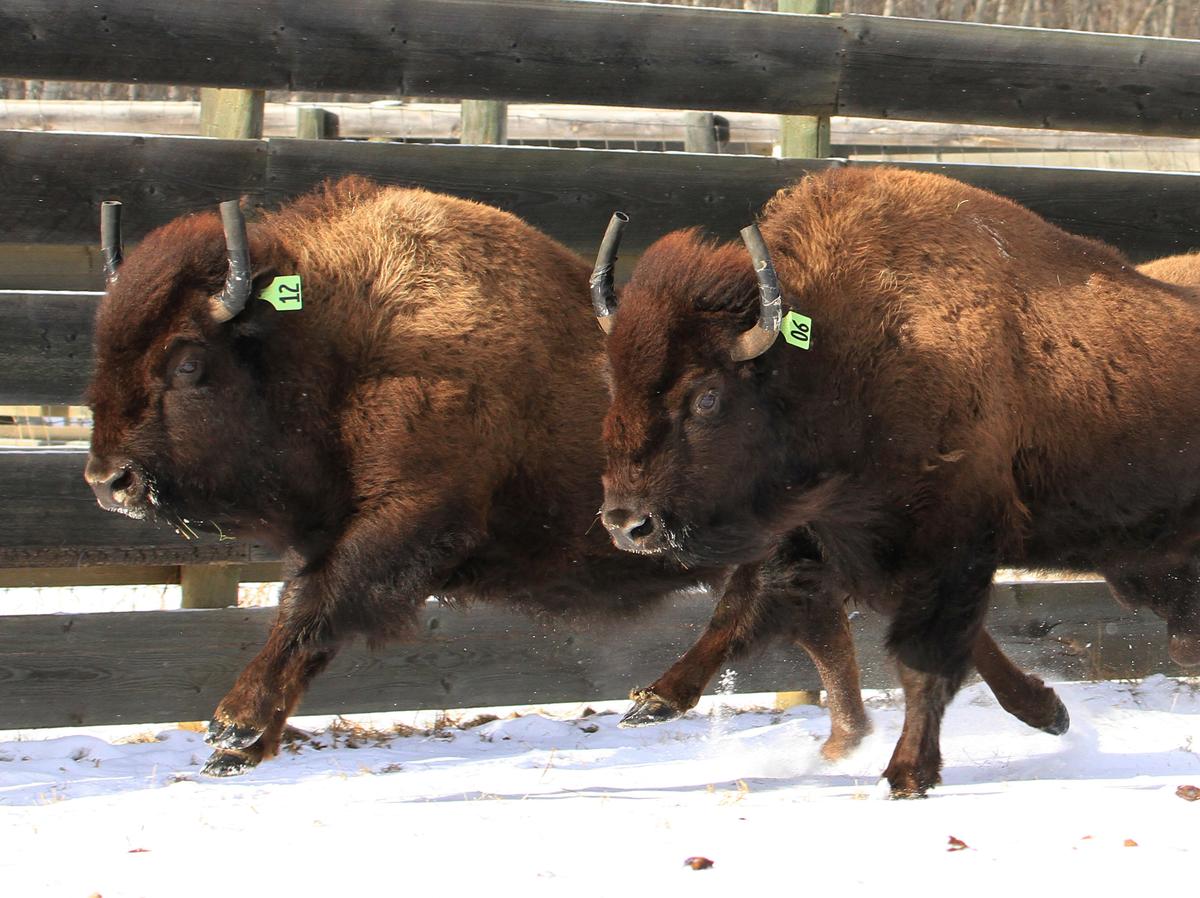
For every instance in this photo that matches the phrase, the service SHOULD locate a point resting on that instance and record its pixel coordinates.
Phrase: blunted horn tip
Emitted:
(604, 295)
(111, 253)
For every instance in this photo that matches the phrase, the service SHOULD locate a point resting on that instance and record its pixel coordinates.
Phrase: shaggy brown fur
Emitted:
(428, 423)
(982, 387)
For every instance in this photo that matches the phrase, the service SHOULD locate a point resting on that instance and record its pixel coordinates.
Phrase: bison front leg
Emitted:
(248, 724)
(734, 620)
(932, 638)
(390, 557)
(746, 614)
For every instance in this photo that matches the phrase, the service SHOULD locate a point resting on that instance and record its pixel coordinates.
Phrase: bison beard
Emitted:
(981, 388)
(427, 423)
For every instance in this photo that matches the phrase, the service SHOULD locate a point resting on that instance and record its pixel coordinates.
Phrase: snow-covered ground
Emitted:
(568, 804)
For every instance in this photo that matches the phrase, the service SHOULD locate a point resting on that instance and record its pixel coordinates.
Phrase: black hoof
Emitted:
(648, 709)
(228, 763)
(1061, 722)
(908, 794)
(231, 735)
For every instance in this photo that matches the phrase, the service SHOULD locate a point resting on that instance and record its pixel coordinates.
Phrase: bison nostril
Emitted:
(122, 482)
(642, 529)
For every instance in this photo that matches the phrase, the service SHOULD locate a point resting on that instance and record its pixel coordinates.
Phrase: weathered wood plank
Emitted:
(74, 670)
(606, 53)
(620, 54)
(49, 517)
(1034, 78)
(45, 346)
(567, 193)
(53, 191)
(116, 575)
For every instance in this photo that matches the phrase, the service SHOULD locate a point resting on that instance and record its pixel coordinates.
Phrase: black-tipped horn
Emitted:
(604, 296)
(232, 298)
(110, 238)
(759, 338)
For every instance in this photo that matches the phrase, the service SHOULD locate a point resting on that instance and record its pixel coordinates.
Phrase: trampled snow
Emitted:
(568, 804)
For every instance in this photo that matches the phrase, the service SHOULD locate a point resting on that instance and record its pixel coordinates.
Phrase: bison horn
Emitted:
(604, 297)
(759, 338)
(110, 239)
(232, 298)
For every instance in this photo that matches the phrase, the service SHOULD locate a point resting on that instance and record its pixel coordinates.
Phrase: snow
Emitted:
(565, 803)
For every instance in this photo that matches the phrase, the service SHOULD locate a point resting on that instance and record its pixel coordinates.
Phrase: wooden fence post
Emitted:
(701, 133)
(315, 123)
(209, 585)
(231, 113)
(804, 136)
(484, 122)
(236, 114)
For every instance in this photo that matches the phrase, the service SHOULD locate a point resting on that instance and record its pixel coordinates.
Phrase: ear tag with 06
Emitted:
(797, 329)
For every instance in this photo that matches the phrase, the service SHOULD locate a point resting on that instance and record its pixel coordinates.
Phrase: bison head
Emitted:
(690, 436)
(184, 426)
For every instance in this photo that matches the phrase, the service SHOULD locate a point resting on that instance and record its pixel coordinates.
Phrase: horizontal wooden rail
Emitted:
(620, 54)
(84, 669)
(49, 518)
(53, 184)
(45, 346)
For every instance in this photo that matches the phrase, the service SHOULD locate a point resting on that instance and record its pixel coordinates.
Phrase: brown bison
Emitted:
(424, 418)
(961, 385)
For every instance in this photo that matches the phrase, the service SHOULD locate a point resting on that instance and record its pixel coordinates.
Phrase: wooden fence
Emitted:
(75, 669)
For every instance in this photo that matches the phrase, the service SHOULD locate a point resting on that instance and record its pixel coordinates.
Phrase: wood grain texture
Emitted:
(49, 517)
(567, 193)
(58, 187)
(606, 53)
(620, 54)
(76, 670)
(45, 346)
(1033, 78)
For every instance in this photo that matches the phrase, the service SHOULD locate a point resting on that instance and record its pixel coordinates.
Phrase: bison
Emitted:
(961, 385)
(419, 414)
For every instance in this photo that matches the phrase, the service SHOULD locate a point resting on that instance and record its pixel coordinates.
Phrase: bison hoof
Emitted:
(910, 782)
(648, 709)
(228, 763)
(231, 735)
(1061, 722)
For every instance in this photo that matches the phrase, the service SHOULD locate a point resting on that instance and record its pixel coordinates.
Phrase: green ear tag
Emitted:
(284, 293)
(797, 329)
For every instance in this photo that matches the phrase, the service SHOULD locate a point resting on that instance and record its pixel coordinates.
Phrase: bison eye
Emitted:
(187, 372)
(706, 403)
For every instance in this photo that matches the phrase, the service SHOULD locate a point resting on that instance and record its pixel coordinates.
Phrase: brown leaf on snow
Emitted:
(1188, 793)
(957, 844)
(1129, 843)
(698, 863)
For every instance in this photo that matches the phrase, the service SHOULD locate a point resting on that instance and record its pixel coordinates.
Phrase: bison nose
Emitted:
(633, 531)
(117, 484)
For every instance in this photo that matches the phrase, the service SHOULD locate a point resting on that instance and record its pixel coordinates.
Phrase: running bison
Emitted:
(960, 385)
(423, 419)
